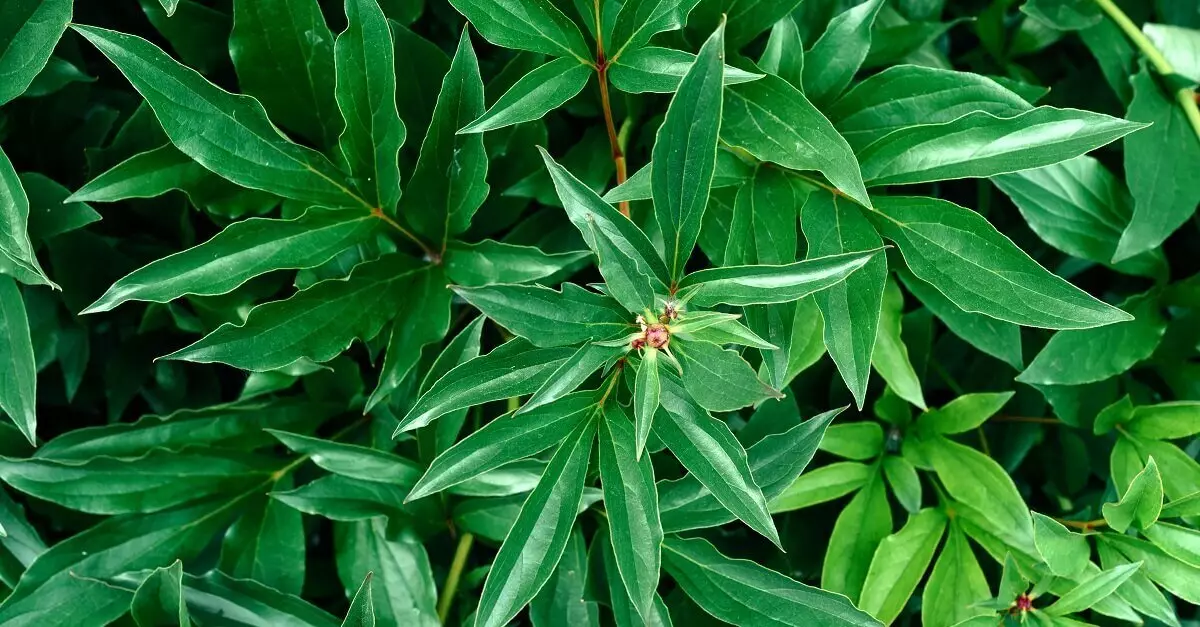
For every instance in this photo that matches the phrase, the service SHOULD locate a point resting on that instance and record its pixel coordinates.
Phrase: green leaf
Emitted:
(624, 613)
(902, 477)
(978, 481)
(515, 368)
(685, 154)
(997, 338)
(1065, 552)
(572, 373)
(749, 594)
(537, 93)
(16, 248)
(622, 279)
(857, 532)
(963, 413)
(562, 600)
(891, 359)
(1139, 591)
(352, 460)
(784, 53)
(982, 271)
(549, 318)
(18, 384)
(851, 308)
(1063, 14)
(854, 440)
(900, 563)
(283, 53)
(640, 20)
(400, 569)
(362, 611)
(535, 544)
(490, 262)
(1179, 45)
(215, 597)
(774, 121)
(1092, 590)
(1177, 577)
(832, 61)
(280, 333)
(449, 183)
(646, 391)
(57, 75)
(239, 253)
(341, 498)
(1164, 189)
(1141, 504)
(267, 544)
(708, 450)
(955, 585)
(981, 144)
(765, 284)
(226, 133)
(632, 506)
(159, 600)
(50, 213)
(31, 30)
(534, 25)
(1181, 543)
(719, 379)
(1165, 421)
(660, 70)
(506, 439)
(1115, 55)
(731, 171)
(421, 319)
(1080, 208)
(909, 95)
(823, 484)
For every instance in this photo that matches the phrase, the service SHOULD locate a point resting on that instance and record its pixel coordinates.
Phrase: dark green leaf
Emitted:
(639, 20)
(490, 262)
(622, 278)
(159, 600)
(421, 319)
(562, 600)
(837, 55)
(764, 284)
(997, 338)
(362, 610)
(549, 318)
(660, 70)
(31, 30)
(16, 248)
(267, 544)
(399, 568)
(719, 379)
(536, 94)
(535, 25)
(18, 384)
(351, 460)
(572, 373)
(646, 393)
(342, 498)
(784, 53)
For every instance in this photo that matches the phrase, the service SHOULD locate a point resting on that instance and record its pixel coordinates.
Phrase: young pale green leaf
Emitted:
(955, 586)
(980, 144)
(1065, 552)
(719, 379)
(731, 171)
(706, 447)
(572, 373)
(562, 601)
(1092, 590)
(854, 440)
(640, 20)
(31, 31)
(421, 318)
(534, 95)
(851, 308)
(159, 599)
(773, 121)
(765, 284)
(832, 61)
(1165, 191)
(1182, 543)
(900, 563)
(784, 54)
(646, 392)
(821, 485)
(18, 383)
(1090, 355)
(997, 338)
(902, 477)
(1177, 577)
(632, 506)
(549, 318)
(535, 544)
(362, 610)
(352, 460)
(1139, 591)
(283, 53)
(857, 532)
(226, 133)
(963, 413)
(1141, 504)
(1186, 506)
(504, 440)
(280, 333)
(752, 595)
(240, 252)
(513, 369)
(16, 248)
(1165, 421)
(490, 262)
(267, 543)
(534, 25)
(891, 358)
(622, 279)
(660, 70)
(685, 154)
(978, 481)
(982, 271)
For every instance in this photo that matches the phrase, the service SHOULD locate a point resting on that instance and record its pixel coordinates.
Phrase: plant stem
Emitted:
(378, 213)
(1084, 525)
(1185, 96)
(456, 568)
(1044, 421)
(614, 140)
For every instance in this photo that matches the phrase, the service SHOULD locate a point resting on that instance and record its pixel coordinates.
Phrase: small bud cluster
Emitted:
(656, 334)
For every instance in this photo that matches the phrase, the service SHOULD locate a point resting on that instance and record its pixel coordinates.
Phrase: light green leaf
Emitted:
(1165, 421)
(1177, 577)
(1092, 590)
(859, 529)
(16, 248)
(1139, 591)
(660, 70)
(341, 498)
(1182, 543)
(719, 379)
(955, 586)
(982, 271)
(891, 355)
(765, 284)
(997, 338)
(362, 611)
(823, 484)
(549, 318)
(963, 413)
(1065, 552)
(1141, 504)
(978, 481)
(159, 599)
(18, 383)
(731, 171)
(900, 563)
(31, 30)
(646, 392)
(1180, 46)
(534, 25)
(773, 121)
(981, 144)
(903, 479)
(622, 279)
(855, 440)
(832, 61)
(490, 262)
(537, 93)
(1063, 14)
(400, 569)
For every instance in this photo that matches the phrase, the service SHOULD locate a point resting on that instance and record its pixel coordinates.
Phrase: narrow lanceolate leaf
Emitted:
(639, 20)
(731, 171)
(719, 379)
(1165, 191)
(859, 529)
(18, 376)
(891, 355)
(772, 120)
(955, 586)
(565, 599)
(159, 600)
(420, 319)
(706, 447)
(745, 593)
(981, 144)
(490, 262)
(622, 279)
(978, 481)
(449, 183)
(763, 284)
(624, 612)
(226, 133)
(403, 589)
(546, 317)
(352, 460)
(997, 338)
(534, 25)
(362, 610)
(572, 374)
(632, 506)
(831, 63)
(15, 246)
(900, 563)
(646, 392)
(31, 30)
(963, 413)
(982, 271)
(283, 53)
(1092, 590)
(783, 55)
(660, 70)
(539, 536)
(515, 368)
(534, 95)
(506, 439)
(316, 324)
(1142, 502)
(585, 208)
(685, 154)
(267, 543)
(366, 96)
(850, 308)
(241, 252)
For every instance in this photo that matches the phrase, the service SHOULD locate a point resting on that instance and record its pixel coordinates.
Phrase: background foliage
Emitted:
(389, 311)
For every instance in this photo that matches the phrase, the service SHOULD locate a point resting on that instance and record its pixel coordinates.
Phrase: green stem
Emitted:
(456, 568)
(1185, 96)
